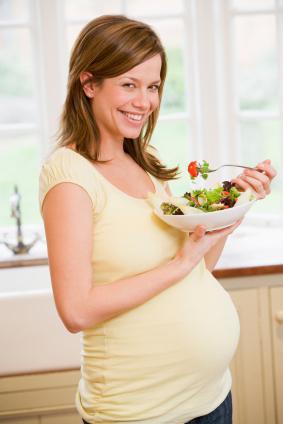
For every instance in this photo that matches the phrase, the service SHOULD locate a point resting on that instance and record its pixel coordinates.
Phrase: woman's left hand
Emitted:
(259, 182)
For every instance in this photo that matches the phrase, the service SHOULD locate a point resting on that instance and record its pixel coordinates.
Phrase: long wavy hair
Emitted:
(109, 46)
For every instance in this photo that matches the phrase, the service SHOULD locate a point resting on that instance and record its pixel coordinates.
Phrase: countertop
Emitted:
(248, 251)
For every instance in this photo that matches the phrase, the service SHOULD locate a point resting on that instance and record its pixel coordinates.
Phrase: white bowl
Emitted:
(211, 220)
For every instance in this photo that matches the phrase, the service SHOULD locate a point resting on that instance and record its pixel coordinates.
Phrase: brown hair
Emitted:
(109, 46)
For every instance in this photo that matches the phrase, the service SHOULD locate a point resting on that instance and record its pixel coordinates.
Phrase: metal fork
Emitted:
(237, 166)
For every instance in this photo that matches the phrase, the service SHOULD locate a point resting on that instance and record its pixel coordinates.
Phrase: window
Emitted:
(223, 98)
(19, 118)
(256, 60)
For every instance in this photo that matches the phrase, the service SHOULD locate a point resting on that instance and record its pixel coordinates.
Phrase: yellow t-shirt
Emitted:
(165, 361)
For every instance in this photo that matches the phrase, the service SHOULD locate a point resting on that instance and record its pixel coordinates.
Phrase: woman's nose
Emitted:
(141, 99)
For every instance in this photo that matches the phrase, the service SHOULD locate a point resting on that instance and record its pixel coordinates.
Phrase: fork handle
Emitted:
(240, 166)
(237, 166)
(248, 167)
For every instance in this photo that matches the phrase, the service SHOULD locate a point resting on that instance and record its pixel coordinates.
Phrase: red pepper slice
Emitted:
(194, 200)
(193, 169)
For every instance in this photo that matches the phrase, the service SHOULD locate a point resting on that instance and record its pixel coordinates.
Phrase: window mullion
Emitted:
(17, 129)
(192, 83)
(50, 64)
(207, 80)
(14, 24)
(259, 115)
(253, 12)
(229, 148)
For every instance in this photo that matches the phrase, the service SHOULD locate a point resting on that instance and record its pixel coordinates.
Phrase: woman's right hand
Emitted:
(198, 243)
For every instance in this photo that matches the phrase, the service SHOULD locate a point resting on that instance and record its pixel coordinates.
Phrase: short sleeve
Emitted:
(65, 165)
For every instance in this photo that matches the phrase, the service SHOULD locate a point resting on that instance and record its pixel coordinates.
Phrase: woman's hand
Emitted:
(259, 182)
(199, 243)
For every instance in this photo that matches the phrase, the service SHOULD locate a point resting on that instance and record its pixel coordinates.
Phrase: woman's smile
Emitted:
(133, 117)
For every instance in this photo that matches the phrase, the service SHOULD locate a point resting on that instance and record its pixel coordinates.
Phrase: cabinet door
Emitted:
(277, 333)
(252, 385)
(67, 418)
(27, 420)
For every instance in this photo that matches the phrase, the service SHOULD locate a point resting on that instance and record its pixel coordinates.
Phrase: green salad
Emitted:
(224, 196)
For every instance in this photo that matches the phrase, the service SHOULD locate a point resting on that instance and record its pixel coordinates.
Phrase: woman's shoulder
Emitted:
(62, 155)
(63, 164)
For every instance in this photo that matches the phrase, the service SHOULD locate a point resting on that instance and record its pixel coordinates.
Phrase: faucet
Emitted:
(19, 247)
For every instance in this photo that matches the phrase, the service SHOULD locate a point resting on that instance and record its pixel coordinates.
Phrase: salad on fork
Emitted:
(223, 196)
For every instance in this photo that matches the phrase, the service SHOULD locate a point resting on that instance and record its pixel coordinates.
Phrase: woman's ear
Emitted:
(88, 85)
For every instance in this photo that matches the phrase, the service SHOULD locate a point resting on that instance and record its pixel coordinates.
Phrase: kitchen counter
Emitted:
(252, 251)
(249, 251)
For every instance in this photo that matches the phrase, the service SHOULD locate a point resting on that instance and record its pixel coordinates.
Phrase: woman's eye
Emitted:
(128, 85)
(154, 87)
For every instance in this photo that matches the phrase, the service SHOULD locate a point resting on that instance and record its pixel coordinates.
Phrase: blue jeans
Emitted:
(221, 415)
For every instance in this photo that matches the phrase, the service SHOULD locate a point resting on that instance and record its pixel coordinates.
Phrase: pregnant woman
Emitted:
(158, 330)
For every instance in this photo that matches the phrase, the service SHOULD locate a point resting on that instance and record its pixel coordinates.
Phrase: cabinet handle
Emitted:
(279, 317)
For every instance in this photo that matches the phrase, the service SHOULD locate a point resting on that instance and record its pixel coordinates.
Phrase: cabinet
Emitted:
(44, 398)
(67, 418)
(276, 295)
(252, 390)
(257, 368)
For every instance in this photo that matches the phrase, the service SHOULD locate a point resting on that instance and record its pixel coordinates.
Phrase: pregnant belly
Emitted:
(189, 332)
(211, 328)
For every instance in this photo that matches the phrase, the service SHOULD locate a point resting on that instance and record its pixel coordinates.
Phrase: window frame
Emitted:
(210, 87)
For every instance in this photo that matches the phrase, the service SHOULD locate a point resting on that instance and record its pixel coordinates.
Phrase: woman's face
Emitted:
(122, 104)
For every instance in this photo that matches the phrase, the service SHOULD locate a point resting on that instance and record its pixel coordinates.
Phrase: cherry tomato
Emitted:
(226, 193)
(193, 168)
(194, 200)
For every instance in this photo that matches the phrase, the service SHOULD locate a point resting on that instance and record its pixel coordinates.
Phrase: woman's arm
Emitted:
(212, 257)
(67, 214)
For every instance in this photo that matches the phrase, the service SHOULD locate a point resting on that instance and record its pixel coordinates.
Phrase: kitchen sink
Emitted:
(33, 338)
